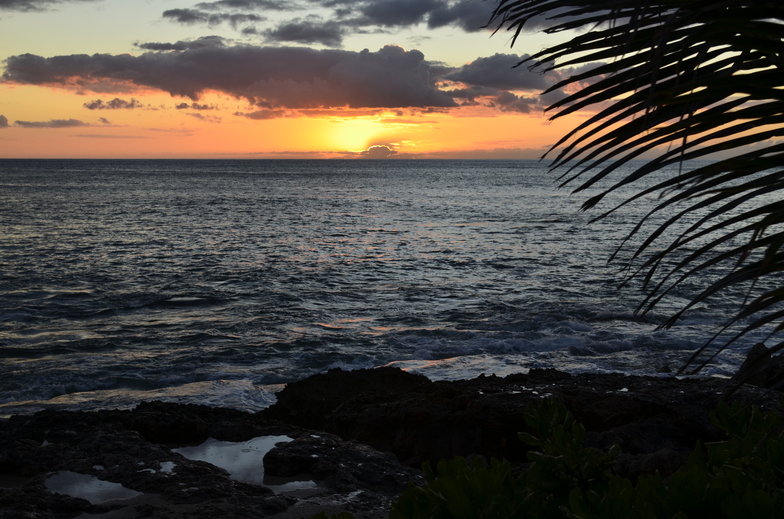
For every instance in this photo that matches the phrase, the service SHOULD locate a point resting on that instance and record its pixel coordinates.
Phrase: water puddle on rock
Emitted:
(244, 461)
(92, 489)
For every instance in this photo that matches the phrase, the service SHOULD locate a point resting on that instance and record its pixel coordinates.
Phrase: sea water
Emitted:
(217, 282)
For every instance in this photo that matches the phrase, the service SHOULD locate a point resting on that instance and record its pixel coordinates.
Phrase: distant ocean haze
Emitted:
(217, 281)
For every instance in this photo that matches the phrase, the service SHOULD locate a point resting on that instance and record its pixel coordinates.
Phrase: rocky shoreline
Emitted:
(360, 435)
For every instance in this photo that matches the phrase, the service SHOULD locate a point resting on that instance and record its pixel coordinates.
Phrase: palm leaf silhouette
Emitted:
(679, 79)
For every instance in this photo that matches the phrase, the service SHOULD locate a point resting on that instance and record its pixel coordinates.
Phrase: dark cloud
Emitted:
(498, 72)
(551, 18)
(329, 33)
(469, 16)
(206, 118)
(492, 81)
(472, 92)
(3, 121)
(269, 77)
(195, 106)
(114, 104)
(391, 121)
(340, 112)
(194, 16)
(54, 123)
(199, 43)
(509, 102)
(378, 152)
(187, 16)
(95, 136)
(261, 115)
(566, 73)
(104, 120)
(354, 15)
(31, 5)
(489, 81)
(383, 13)
(391, 13)
(246, 5)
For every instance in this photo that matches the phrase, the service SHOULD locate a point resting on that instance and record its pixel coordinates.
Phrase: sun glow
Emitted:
(351, 134)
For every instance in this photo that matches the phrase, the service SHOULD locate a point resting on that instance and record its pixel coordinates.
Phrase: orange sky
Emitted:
(266, 78)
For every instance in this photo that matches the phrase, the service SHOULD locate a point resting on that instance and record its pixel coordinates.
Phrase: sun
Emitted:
(353, 134)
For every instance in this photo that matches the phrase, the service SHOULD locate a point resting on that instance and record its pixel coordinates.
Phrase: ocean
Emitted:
(217, 282)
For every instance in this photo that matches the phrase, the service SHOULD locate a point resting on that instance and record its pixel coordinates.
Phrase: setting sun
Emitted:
(219, 80)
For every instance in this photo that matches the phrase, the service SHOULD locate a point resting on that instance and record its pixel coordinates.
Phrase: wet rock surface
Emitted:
(360, 435)
(134, 449)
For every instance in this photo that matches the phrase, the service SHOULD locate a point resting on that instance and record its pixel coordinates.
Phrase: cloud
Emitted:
(395, 121)
(509, 102)
(498, 71)
(199, 43)
(328, 33)
(472, 92)
(206, 118)
(30, 5)
(261, 115)
(246, 5)
(493, 154)
(100, 136)
(195, 106)
(492, 82)
(3, 121)
(54, 123)
(469, 16)
(269, 77)
(114, 104)
(378, 152)
(194, 16)
(392, 13)
(104, 120)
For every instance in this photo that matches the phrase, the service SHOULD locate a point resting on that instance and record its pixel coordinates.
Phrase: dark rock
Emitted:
(761, 368)
(418, 420)
(116, 446)
(349, 430)
(343, 466)
(309, 402)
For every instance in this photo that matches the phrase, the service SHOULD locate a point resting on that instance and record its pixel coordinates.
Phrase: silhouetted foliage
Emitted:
(679, 79)
(738, 478)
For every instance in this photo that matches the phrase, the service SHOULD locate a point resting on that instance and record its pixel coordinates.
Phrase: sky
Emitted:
(269, 79)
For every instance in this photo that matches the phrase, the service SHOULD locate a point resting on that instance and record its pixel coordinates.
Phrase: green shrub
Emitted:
(740, 478)
(464, 491)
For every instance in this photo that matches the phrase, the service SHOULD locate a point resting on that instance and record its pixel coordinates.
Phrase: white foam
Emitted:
(237, 394)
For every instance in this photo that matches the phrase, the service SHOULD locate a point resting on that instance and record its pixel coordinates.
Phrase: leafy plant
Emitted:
(465, 491)
(739, 478)
(562, 469)
(680, 79)
(560, 466)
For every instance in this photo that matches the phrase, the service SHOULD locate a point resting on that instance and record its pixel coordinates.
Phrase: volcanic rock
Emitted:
(359, 435)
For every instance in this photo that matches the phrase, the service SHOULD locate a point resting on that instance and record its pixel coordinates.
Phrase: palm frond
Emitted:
(679, 79)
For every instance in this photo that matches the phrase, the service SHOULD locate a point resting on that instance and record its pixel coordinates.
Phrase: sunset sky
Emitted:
(267, 79)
